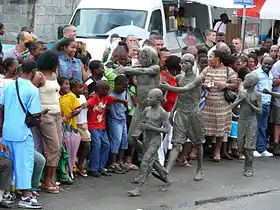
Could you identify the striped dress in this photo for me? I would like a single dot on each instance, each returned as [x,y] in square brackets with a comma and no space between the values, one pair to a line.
[217,111]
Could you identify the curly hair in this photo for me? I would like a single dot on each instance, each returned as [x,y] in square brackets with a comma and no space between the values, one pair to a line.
[148,56]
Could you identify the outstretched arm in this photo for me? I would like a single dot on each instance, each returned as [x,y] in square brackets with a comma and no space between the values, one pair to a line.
[272,93]
[130,71]
[197,81]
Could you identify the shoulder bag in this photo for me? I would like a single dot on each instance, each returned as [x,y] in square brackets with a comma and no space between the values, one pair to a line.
[30,120]
[230,96]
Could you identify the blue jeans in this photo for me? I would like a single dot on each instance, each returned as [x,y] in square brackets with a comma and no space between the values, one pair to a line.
[39,164]
[117,132]
[100,149]
[262,119]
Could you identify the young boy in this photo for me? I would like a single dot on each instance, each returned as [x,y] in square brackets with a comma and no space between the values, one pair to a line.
[97,72]
[250,104]
[100,145]
[117,129]
[156,122]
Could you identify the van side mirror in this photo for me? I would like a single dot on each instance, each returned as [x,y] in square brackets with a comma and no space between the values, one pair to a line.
[60,32]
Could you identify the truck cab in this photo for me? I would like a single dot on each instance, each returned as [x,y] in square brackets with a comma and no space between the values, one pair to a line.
[93,19]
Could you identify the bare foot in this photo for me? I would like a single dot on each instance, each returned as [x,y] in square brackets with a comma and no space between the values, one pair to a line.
[134,193]
[135,181]
[248,172]
[166,186]
[199,176]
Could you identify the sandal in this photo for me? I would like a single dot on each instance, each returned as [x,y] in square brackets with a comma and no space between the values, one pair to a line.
[68,181]
[35,193]
[51,190]
[241,157]
[216,159]
[82,172]
[227,157]
[187,164]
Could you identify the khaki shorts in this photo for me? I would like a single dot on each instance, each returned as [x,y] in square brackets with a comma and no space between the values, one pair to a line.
[85,134]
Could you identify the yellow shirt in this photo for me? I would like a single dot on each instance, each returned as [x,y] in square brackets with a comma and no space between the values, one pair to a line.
[68,103]
[180,21]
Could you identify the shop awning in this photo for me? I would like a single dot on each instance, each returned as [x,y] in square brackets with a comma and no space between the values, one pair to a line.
[270,10]
[252,12]
[227,4]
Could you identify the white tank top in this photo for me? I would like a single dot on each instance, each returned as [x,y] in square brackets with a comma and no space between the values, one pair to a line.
[49,96]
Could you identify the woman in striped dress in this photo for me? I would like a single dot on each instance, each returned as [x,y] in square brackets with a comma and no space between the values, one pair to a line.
[217,111]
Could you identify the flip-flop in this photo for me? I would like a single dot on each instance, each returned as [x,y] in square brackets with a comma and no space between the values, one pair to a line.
[82,173]
[51,190]
[216,160]
[187,164]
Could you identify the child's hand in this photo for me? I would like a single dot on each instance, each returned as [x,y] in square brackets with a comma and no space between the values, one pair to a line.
[45,111]
[164,85]
[84,106]
[76,112]
[266,91]
[64,119]
[4,148]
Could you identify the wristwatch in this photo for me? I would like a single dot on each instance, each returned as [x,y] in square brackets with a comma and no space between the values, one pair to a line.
[227,86]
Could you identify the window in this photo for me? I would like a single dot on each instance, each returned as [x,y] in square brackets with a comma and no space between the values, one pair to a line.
[93,22]
[156,22]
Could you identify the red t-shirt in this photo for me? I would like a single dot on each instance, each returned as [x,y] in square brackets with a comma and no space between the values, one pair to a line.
[170,96]
[97,109]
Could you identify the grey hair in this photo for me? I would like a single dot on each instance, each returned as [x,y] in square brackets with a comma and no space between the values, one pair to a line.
[188,56]
[221,46]
[148,56]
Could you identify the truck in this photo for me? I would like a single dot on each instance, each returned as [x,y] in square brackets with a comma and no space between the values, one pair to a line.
[93,19]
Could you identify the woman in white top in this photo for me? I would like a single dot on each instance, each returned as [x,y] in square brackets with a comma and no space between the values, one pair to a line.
[51,123]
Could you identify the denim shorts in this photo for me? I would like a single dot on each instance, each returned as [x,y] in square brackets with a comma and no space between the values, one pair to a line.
[117,132]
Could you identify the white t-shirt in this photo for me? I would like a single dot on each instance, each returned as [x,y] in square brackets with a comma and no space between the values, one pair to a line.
[221,26]
[82,117]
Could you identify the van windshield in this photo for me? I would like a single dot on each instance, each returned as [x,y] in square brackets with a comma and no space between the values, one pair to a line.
[97,22]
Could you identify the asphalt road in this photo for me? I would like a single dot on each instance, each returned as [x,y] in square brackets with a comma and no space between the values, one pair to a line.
[223,188]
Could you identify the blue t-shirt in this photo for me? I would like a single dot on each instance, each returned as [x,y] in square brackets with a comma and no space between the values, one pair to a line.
[14,128]
[117,111]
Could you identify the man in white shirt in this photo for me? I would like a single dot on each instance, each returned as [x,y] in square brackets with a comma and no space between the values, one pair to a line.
[221,26]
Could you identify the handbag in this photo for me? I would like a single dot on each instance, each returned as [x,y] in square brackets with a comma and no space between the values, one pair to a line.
[230,96]
[30,119]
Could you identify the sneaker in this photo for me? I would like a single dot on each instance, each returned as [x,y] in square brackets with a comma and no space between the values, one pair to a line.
[5,205]
[266,154]
[29,203]
[104,173]
[257,154]
[94,173]
[9,199]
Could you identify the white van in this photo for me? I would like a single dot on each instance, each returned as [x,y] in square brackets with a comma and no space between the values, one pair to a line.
[93,19]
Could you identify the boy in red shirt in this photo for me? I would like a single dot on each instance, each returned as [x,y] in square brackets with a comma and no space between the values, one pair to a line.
[96,124]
